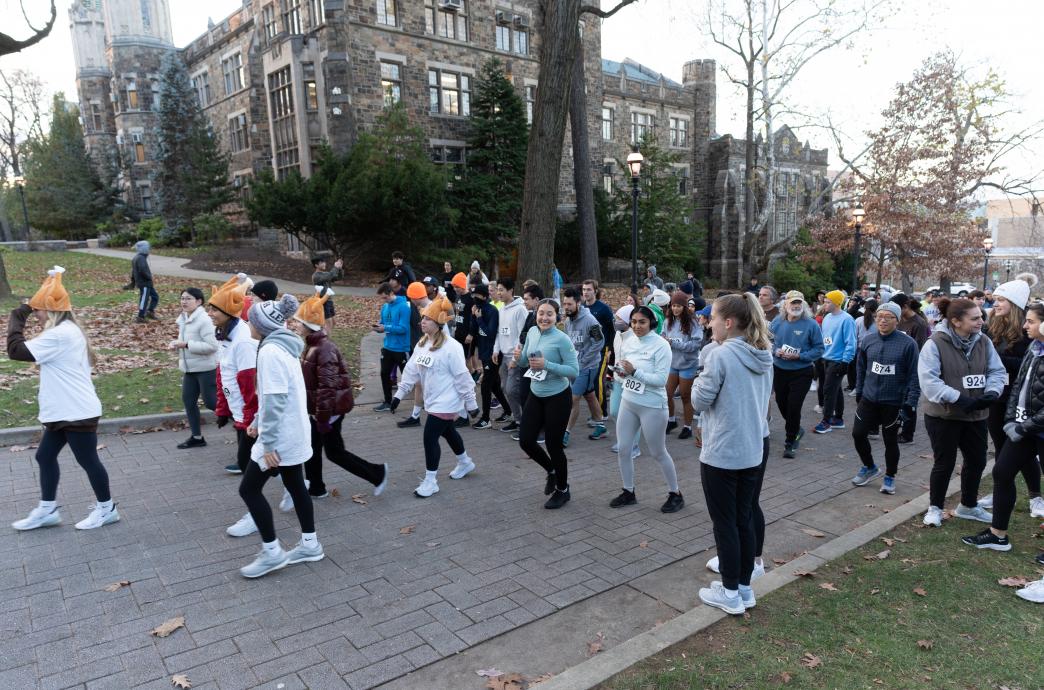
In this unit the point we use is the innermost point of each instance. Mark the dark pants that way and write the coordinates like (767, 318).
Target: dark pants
(250, 490)
(791, 386)
(84, 446)
(869, 417)
(731, 498)
(550, 415)
(389, 362)
(332, 442)
(491, 387)
(434, 429)
(995, 424)
(1017, 456)
(759, 516)
(947, 436)
(820, 368)
(193, 385)
(850, 375)
(834, 396)
(523, 391)
(148, 298)
(908, 427)
(244, 445)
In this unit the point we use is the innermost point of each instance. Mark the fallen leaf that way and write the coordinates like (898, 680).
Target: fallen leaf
(811, 660)
(919, 591)
(813, 532)
(869, 505)
(120, 396)
(805, 573)
(143, 401)
(778, 561)
(507, 681)
(19, 449)
(358, 498)
(432, 544)
(784, 677)
(926, 456)
(847, 570)
(643, 545)
(925, 644)
(180, 681)
(117, 586)
(1017, 581)
(887, 541)
(335, 492)
(874, 591)
(841, 456)
(595, 646)
(829, 586)
(901, 541)
(879, 556)
(542, 678)
(167, 627)
(489, 672)
(408, 529)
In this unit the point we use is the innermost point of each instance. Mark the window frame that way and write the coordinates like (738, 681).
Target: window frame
(647, 128)
(238, 136)
(437, 85)
(679, 131)
(232, 71)
(435, 19)
(292, 17)
(611, 122)
(386, 17)
(286, 154)
(202, 79)
(395, 83)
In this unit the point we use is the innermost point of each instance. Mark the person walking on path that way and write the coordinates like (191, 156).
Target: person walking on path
(280, 427)
(839, 343)
(913, 324)
(141, 280)
(197, 349)
(552, 362)
(644, 369)
(438, 364)
(395, 325)
(685, 338)
(325, 278)
(485, 326)
(961, 375)
(797, 345)
(1024, 427)
(69, 406)
(512, 321)
(328, 386)
(886, 393)
(732, 394)
(585, 333)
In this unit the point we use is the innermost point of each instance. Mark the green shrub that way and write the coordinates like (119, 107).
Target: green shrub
(212, 227)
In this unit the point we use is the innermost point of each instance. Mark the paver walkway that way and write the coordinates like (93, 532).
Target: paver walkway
(406, 582)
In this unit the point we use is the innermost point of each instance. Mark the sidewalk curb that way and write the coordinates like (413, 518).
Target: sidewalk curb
(31, 434)
(614, 660)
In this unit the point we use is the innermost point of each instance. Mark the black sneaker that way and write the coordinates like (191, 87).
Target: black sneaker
(788, 451)
(482, 424)
(557, 500)
(509, 427)
(549, 485)
(671, 426)
(905, 439)
(383, 407)
(686, 432)
(461, 422)
(506, 417)
(797, 439)
(626, 498)
(193, 442)
(986, 539)
(1040, 558)
(233, 469)
(408, 422)
(673, 504)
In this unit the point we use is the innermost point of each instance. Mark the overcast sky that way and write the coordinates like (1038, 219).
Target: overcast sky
(854, 85)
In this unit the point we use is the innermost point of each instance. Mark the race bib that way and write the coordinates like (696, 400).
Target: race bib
(536, 375)
(577, 338)
(634, 385)
(973, 381)
(424, 360)
(789, 350)
(883, 369)
(505, 330)
(828, 341)
(1021, 414)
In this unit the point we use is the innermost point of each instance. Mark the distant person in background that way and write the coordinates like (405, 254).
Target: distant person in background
(400, 270)
(476, 276)
(556, 283)
(141, 279)
(767, 298)
(325, 278)
(754, 286)
(652, 279)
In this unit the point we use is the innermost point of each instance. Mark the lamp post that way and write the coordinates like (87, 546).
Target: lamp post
(857, 215)
(634, 163)
(987, 248)
(1008, 264)
(20, 183)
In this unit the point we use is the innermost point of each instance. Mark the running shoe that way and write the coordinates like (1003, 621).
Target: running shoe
(463, 468)
(599, 432)
(494, 404)
(888, 485)
(509, 427)
(506, 417)
(866, 475)
(685, 433)
(302, 553)
(557, 500)
(1037, 507)
(482, 424)
(673, 504)
(719, 598)
(905, 439)
(976, 513)
(379, 489)
(823, 427)
(515, 436)
(934, 517)
(746, 595)
(635, 452)
(818, 409)
(286, 504)
(797, 439)
(837, 423)
(815, 387)
(626, 498)
(383, 407)
(1040, 558)
(265, 563)
(788, 451)
(615, 448)
(38, 517)
(759, 568)
(1034, 592)
(192, 442)
(671, 426)
(244, 527)
(592, 423)
(874, 433)
(987, 502)
(233, 469)
(427, 488)
(986, 539)
(99, 517)
(408, 422)
(565, 440)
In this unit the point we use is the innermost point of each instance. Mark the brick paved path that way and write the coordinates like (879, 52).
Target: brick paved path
(483, 558)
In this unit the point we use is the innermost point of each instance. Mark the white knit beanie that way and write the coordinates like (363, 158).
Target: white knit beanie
(269, 316)
(1017, 291)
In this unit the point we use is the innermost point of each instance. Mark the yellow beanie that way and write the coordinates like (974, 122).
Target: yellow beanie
(52, 295)
(310, 313)
(229, 297)
(836, 296)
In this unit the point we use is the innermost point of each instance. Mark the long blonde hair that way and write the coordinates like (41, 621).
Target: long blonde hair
(436, 340)
(746, 312)
(54, 318)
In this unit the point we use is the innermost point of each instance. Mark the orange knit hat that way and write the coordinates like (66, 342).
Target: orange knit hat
(52, 296)
(229, 297)
(310, 313)
(460, 281)
(416, 290)
(439, 310)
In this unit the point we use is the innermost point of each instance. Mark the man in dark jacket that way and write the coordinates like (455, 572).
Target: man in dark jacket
(141, 278)
(400, 270)
(485, 325)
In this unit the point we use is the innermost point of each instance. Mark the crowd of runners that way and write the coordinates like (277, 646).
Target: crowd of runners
(467, 351)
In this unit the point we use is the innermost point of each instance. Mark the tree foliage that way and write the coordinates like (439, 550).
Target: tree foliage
(806, 267)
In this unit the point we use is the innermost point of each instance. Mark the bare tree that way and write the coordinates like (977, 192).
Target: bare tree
(9, 44)
(21, 116)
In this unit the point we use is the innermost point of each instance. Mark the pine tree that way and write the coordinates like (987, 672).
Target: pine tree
(490, 195)
(63, 191)
(194, 170)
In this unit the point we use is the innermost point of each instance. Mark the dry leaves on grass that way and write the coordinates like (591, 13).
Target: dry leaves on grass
(1017, 581)
(925, 644)
(167, 627)
(919, 591)
(784, 677)
(595, 645)
(805, 573)
(829, 586)
(879, 556)
(847, 570)
(810, 660)
(408, 529)
(180, 680)
(117, 586)
(874, 591)
(813, 532)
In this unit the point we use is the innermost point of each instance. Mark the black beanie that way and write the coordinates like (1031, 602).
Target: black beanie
(266, 290)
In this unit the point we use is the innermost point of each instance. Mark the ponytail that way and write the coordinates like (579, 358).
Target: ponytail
(746, 312)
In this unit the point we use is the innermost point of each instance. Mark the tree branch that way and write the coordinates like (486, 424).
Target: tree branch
(599, 12)
(11, 45)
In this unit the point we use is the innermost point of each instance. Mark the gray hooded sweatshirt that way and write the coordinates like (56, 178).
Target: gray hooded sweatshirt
(586, 335)
(141, 274)
(732, 393)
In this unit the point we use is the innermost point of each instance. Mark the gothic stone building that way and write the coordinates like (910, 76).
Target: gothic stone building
(277, 78)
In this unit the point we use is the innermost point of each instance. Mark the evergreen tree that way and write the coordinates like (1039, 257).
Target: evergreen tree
(489, 197)
(194, 170)
(806, 267)
(63, 191)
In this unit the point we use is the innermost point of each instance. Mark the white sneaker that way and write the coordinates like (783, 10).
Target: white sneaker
(244, 527)
(716, 596)
(301, 553)
(463, 468)
(978, 514)
(759, 570)
(635, 452)
(818, 409)
(286, 504)
(99, 517)
(712, 565)
(1037, 507)
(987, 502)
(815, 387)
(427, 488)
(746, 595)
(264, 564)
(933, 518)
(1034, 592)
(39, 517)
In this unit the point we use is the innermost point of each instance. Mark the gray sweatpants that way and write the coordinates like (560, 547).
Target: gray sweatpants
(652, 422)
(511, 379)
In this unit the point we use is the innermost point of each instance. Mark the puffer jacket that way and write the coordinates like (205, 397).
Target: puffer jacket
(326, 377)
(197, 331)
(1032, 366)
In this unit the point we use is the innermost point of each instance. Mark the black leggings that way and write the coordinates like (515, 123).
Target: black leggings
(550, 415)
(434, 429)
(947, 436)
(491, 387)
(84, 445)
(194, 384)
(1016, 456)
(995, 423)
(731, 497)
(389, 362)
(333, 443)
(250, 490)
(245, 445)
(820, 368)
(759, 516)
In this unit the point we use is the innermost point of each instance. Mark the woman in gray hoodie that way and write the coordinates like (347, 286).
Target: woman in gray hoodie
(736, 376)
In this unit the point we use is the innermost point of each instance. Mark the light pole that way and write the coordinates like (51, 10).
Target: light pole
(1008, 263)
(634, 163)
(857, 215)
(987, 247)
(20, 183)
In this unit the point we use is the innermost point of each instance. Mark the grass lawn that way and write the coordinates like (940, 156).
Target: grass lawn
(878, 630)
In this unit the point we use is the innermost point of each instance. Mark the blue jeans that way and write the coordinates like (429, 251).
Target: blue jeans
(148, 298)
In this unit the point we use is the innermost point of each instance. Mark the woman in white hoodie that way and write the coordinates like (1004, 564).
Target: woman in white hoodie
(438, 366)
(197, 349)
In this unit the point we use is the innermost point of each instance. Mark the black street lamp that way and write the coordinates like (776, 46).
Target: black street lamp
(857, 215)
(987, 247)
(634, 163)
(1008, 264)
(20, 183)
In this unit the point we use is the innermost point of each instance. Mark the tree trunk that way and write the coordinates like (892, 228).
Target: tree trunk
(585, 215)
(560, 40)
(748, 195)
(5, 287)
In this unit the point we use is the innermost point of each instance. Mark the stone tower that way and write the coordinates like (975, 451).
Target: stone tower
(87, 26)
